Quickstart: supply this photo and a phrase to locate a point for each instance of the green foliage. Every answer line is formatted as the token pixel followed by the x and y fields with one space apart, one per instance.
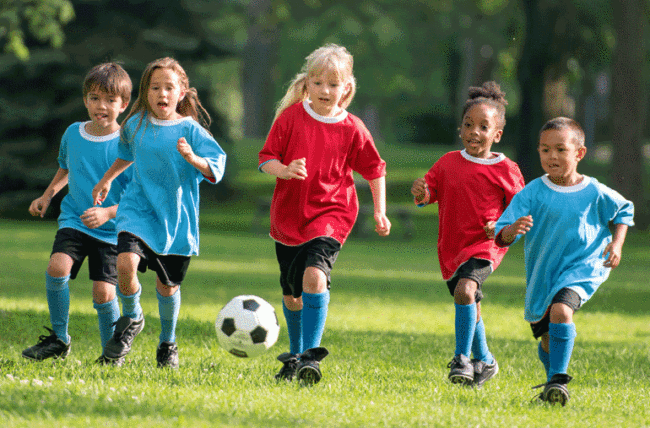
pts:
pixel 44 20
pixel 389 329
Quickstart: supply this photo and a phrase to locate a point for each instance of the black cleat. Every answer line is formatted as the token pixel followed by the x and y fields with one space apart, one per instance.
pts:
pixel 555 390
pixel 462 370
pixel 125 331
pixel 47 347
pixel 167 355
pixel 308 369
pixel 484 371
pixel 289 367
pixel 103 361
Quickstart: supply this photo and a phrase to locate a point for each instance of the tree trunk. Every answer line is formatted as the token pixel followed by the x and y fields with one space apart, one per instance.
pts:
pixel 629 104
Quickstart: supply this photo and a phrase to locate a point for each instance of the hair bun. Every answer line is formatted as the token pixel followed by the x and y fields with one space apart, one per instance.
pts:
pixel 490 90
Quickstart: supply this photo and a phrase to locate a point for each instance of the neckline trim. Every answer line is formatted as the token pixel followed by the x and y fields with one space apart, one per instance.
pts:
pixel 96 138
pixel 172 122
pixel 324 119
pixel 586 180
pixel 491 161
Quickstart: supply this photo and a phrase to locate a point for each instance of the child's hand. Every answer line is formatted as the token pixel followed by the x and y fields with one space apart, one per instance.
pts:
pixel 39 206
pixel 614 257
pixel 489 229
pixel 95 217
pixel 184 149
pixel 519 227
pixel 419 189
pixel 100 192
pixel 296 169
pixel 382 224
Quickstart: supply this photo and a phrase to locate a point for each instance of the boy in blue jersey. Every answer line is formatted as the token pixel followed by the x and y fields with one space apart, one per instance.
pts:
pixel 87 150
pixel 569 249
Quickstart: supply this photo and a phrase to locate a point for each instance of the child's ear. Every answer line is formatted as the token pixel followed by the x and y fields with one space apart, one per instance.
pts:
pixel 497 136
pixel 582 151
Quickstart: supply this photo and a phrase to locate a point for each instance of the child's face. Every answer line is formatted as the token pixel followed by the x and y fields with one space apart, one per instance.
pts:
pixel 164 93
pixel 560 156
pixel 103 109
pixel 480 129
pixel 325 92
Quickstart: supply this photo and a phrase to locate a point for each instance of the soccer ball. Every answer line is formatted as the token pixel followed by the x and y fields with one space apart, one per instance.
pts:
pixel 247 326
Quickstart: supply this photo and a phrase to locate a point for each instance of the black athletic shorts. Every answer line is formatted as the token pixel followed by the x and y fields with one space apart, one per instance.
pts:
pixel 475 269
pixel 102 257
pixel 319 252
pixel 171 269
pixel 566 296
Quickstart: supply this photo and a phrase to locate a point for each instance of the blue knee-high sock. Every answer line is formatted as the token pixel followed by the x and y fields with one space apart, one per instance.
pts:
pixel 545 358
pixel 58 301
pixel 465 327
pixel 479 344
pixel 561 339
pixel 131 304
pixel 294 327
pixel 314 314
pixel 107 315
pixel 168 308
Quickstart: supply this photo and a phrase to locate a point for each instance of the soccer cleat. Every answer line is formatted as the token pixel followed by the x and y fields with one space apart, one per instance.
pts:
pixel 125 331
pixel 555 390
pixel 103 361
pixel 484 371
pixel 462 370
pixel 308 368
pixel 47 347
pixel 167 355
pixel 290 364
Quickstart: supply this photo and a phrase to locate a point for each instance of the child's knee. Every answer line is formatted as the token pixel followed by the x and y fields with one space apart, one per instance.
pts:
pixel 561 314
pixel 292 303
pixel 314 280
pixel 465 291
pixel 103 292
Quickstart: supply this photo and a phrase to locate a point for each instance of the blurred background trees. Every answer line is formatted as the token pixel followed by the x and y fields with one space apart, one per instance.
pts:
pixel 414 60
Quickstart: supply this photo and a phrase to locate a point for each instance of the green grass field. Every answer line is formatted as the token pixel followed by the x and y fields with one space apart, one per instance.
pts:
pixel 389 331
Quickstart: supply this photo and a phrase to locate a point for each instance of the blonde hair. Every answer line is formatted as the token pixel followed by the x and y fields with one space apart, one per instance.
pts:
pixel 330 57
pixel 188 106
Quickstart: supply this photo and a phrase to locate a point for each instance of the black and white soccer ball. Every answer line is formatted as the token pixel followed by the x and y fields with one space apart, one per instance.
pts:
pixel 247 326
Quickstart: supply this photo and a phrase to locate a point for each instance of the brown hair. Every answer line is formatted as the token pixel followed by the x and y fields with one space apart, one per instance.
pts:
pixel 111 78
pixel 489 93
pixel 188 106
pixel 329 57
pixel 560 123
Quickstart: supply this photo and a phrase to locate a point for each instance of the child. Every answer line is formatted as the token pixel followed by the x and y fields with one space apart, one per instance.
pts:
pixel 157 220
pixel 565 247
pixel 472 188
pixel 313 147
pixel 87 150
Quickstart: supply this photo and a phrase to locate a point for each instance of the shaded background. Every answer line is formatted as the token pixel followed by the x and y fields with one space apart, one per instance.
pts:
pixel 414 60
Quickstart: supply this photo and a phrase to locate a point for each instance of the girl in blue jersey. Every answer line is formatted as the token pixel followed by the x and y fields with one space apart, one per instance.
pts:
pixel 569 248
pixel 165 138
pixel 87 150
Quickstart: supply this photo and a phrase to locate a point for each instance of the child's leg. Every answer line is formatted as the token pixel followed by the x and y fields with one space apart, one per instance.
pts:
pixel 292 309
pixel 107 307
pixel 562 333
pixel 543 354
pixel 465 318
pixel 169 304
pixel 480 348
pixel 58 293
pixel 129 285
pixel 315 299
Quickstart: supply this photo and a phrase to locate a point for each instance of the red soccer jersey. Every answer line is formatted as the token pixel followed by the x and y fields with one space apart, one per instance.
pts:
pixel 325 203
pixel 470 192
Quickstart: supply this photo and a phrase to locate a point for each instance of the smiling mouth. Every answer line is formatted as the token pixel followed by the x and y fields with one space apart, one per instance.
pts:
pixel 162 105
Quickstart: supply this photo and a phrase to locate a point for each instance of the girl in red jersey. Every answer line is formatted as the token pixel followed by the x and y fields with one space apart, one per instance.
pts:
pixel 313 147
pixel 472 187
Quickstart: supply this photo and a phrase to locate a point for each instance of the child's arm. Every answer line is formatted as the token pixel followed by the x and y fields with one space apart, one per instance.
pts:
pixel 96 216
pixel 196 161
pixel 510 232
pixel 101 189
pixel 615 248
pixel 378 190
pixel 420 192
pixel 39 206
pixel 296 169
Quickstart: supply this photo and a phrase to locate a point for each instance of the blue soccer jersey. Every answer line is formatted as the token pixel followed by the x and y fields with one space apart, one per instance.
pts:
pixel 87 157
pixel 161 205
pixel 565 245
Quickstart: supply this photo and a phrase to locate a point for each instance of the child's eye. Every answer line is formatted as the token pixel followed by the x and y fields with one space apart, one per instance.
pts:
pixel 484 128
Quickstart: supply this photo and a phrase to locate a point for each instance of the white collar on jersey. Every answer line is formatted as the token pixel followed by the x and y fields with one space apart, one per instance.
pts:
pixel 96 138
pixel 172 122
pixel 491 161
pixel 586 180
pixel 324 119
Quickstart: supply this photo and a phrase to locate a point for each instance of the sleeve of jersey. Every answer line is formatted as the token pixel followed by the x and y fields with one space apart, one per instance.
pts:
pixel 124 151
pixel 519 206
pixel 207 147
pixel 63 150
pixel 515 181
pixel 365 157
pixel 616 208
pixel 431 177
pixel 274 145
